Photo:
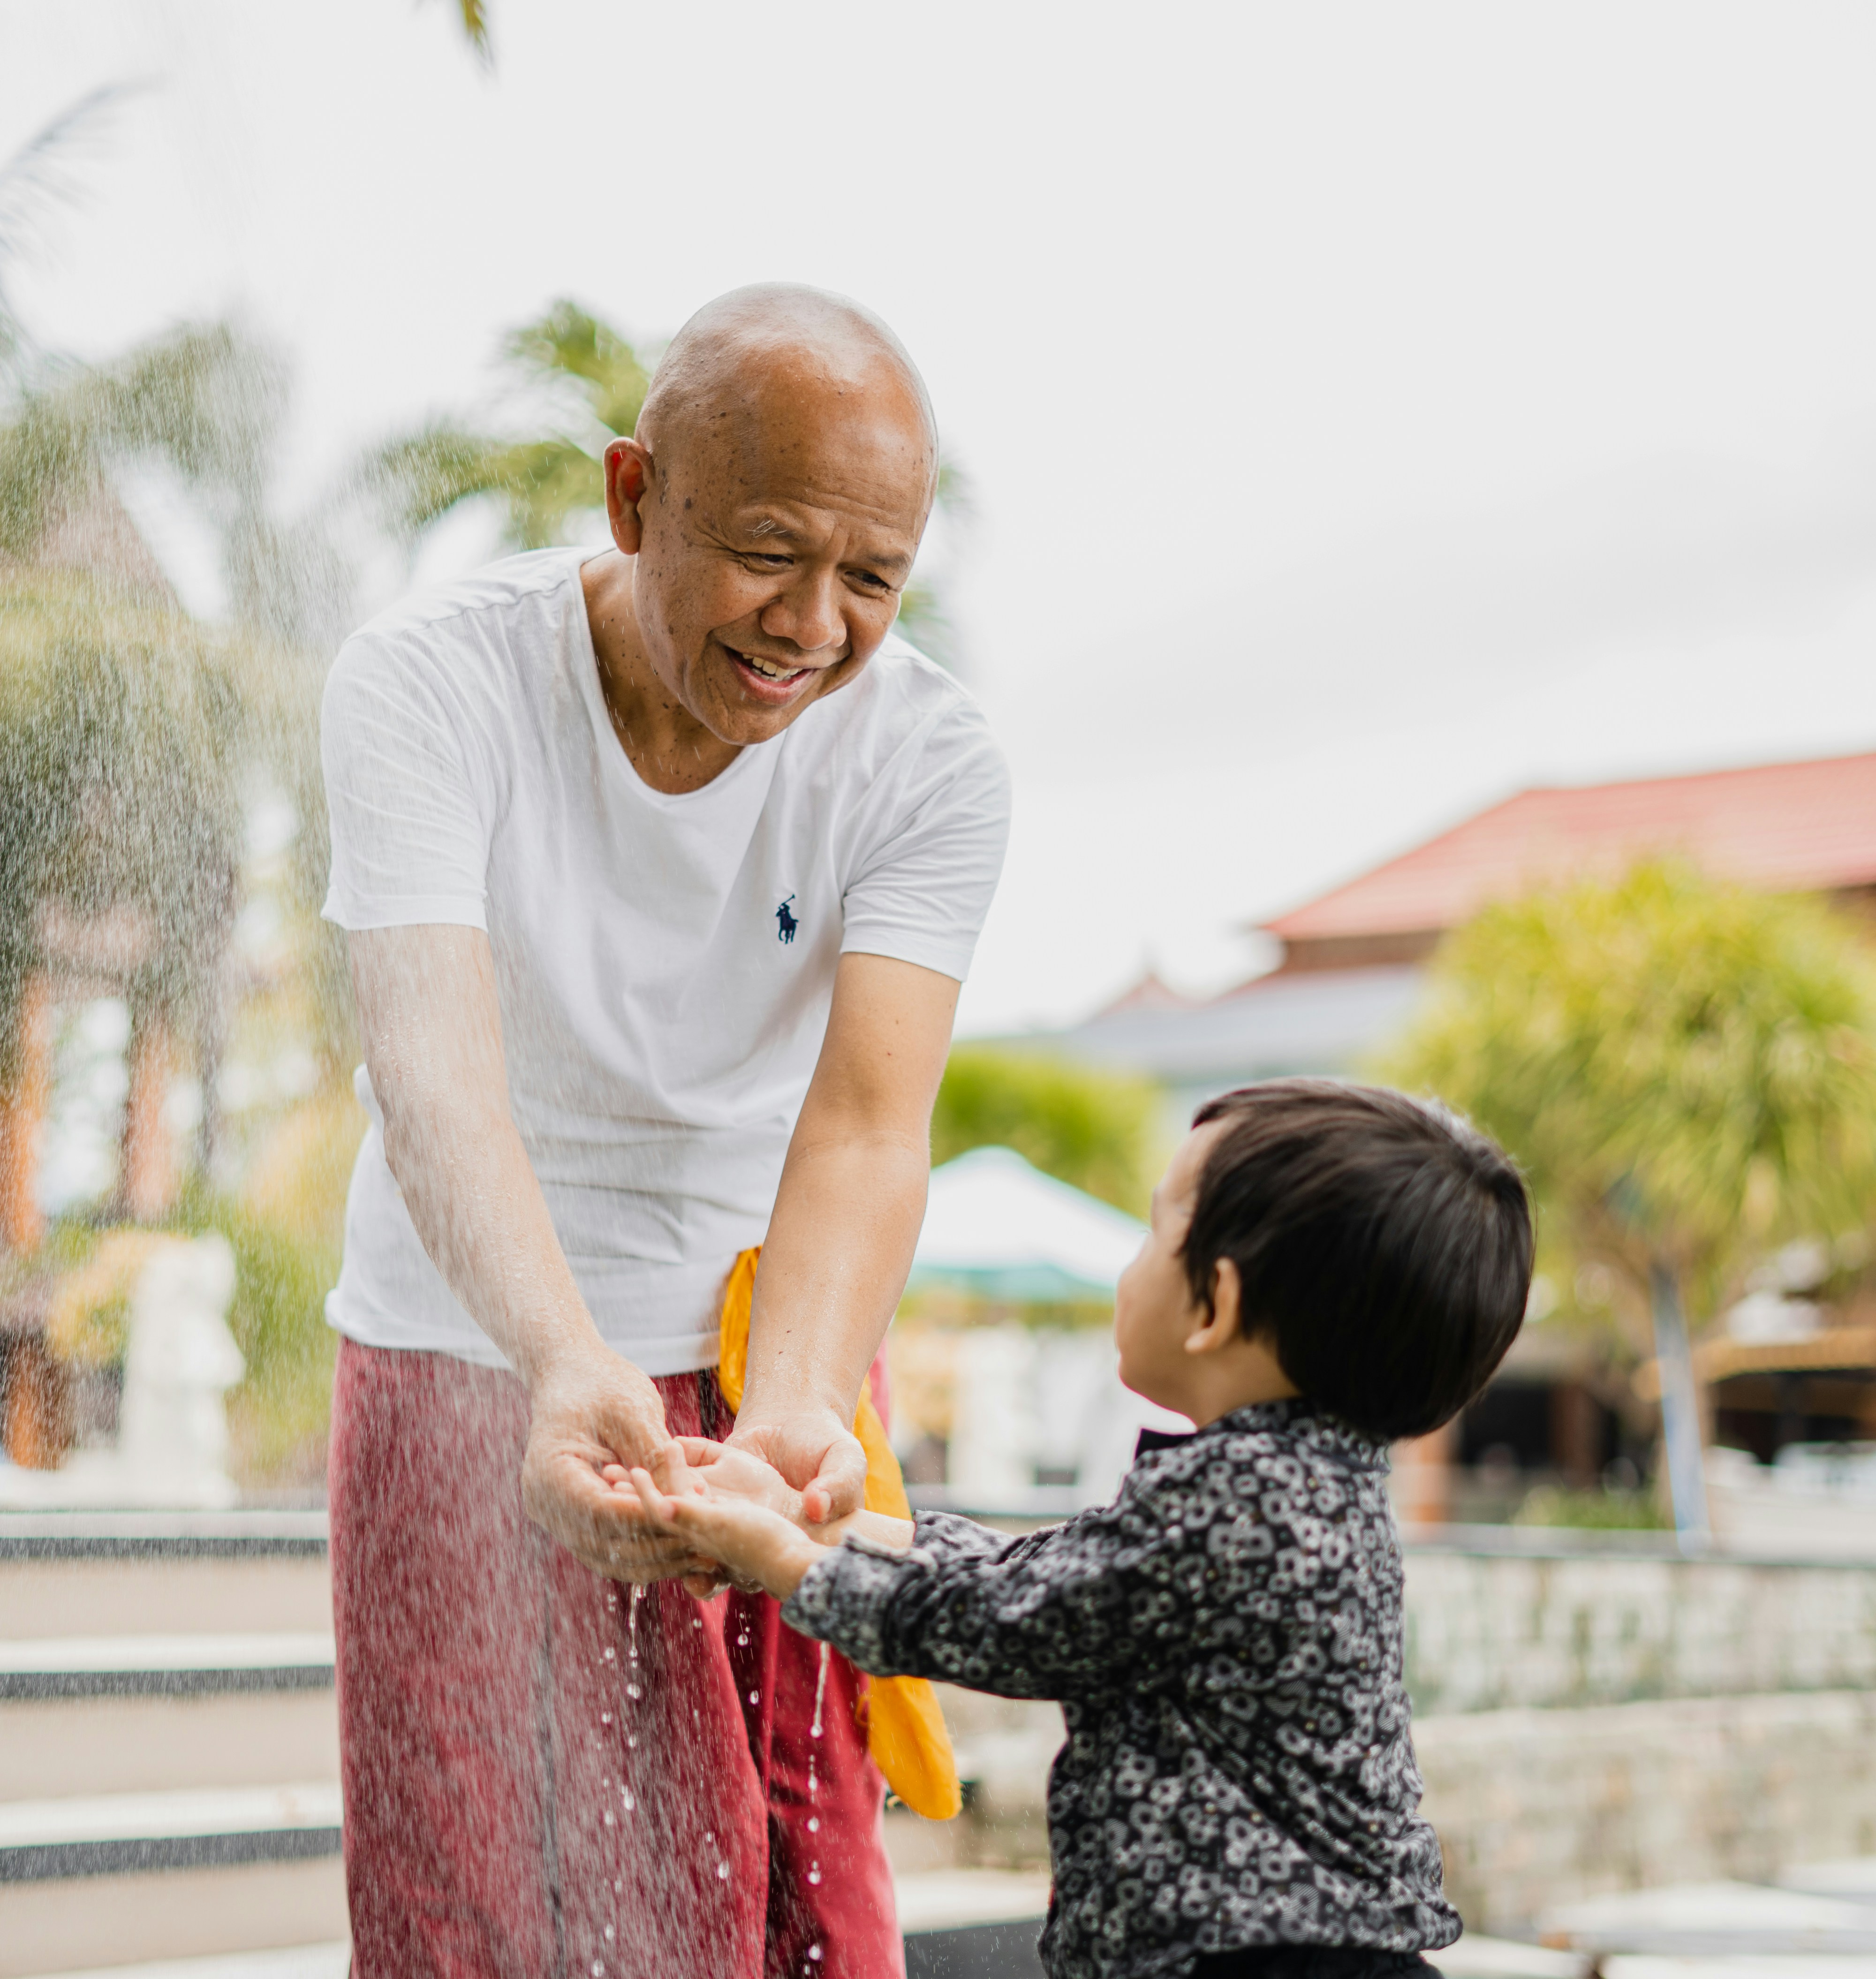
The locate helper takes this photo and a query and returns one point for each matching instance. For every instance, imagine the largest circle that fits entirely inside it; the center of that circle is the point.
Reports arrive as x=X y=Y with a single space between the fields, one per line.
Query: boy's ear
x=1222 y=1322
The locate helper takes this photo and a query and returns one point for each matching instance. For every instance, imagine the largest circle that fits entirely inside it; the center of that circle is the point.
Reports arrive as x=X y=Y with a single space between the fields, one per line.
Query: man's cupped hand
x=589 y=1409
x=815 y=1451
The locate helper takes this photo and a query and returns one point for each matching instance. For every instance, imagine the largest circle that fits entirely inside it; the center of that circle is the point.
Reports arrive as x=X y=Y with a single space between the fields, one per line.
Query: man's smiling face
x=778 y=525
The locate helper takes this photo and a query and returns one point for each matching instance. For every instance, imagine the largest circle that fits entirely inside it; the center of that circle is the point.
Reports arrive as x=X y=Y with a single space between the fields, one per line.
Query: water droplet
x=697 y=1621
x=619 y=1886
x=605 y=1717
x=632 y=1690
x=813 y=1824
x=708 y=1836
x=820 y=1692
x=610 y=1657
x=755 y=1697
x=608 y=1933
x=610 y=1821
x=813 y=1875
x=722 y=1870
x=630 y=1803
x=632 y=1744
x=598 y=1967
x=813 y=1952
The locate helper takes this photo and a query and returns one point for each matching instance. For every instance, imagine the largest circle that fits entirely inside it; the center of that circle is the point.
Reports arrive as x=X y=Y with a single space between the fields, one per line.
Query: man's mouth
x=770 y=674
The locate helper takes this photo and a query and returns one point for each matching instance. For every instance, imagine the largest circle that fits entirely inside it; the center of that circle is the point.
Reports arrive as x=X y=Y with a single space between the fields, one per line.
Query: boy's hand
x=695 y=1465
x=756 y=1542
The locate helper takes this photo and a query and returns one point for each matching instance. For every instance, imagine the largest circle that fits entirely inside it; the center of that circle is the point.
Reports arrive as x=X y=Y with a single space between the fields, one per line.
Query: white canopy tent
x=999 y=1228
x=1030 y=1404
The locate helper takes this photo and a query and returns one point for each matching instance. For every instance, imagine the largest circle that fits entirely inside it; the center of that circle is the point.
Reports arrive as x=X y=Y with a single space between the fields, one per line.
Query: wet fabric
x=500 y=1822
x=1226 y=1640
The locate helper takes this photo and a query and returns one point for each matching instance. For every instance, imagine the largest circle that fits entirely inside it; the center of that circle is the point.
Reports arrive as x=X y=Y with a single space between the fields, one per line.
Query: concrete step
x=94 y=1715
x=118 y=1665
x=115 y=1921
x=973 y=1924
x=1712 y=1919
x=959 y=1925
x=69 y=1574
x=44 y=1841
x=298 y=1962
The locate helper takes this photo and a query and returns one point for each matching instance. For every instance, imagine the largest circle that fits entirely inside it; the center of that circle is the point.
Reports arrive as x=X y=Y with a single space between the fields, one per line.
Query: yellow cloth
x=905 y=1728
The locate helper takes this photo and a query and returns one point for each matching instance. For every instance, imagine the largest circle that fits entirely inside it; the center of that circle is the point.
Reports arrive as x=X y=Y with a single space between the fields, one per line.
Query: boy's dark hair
x=1382 y=1243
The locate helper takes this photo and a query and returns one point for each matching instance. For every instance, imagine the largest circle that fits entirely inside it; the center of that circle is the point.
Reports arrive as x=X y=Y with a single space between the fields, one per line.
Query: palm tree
x=1687 y=1071
x=595 y=381
x=125 y=725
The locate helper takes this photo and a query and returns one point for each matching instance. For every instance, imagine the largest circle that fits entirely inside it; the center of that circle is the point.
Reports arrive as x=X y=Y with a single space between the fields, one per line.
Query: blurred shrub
x=88 y=1320
x=1600 y=1510
x=286 y=1227
x=1096 y=1130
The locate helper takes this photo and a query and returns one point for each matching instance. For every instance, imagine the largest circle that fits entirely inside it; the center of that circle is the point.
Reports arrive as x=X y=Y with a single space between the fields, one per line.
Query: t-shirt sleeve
x=927 y=881
x=408 y=792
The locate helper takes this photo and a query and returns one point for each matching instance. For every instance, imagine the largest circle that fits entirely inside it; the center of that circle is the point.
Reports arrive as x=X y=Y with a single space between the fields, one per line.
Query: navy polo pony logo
x=785 y=922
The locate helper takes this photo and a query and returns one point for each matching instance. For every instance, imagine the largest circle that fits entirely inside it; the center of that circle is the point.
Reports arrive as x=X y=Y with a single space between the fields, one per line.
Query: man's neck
x=671 y=750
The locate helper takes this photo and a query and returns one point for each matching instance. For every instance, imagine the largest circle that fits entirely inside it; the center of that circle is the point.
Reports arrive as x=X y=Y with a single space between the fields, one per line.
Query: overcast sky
x=1374 y=408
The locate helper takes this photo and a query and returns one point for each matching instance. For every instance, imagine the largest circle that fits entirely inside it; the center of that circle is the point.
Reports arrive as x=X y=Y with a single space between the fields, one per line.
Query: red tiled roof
x=1785 y=826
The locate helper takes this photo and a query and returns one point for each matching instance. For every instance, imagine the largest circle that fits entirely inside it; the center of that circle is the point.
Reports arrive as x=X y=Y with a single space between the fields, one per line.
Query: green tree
x=596 y=383
x=1687 y=1071
x=1092 y=1129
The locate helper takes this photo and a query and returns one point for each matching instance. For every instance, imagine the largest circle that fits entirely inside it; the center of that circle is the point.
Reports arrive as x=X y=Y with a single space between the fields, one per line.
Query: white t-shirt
x=664 y=964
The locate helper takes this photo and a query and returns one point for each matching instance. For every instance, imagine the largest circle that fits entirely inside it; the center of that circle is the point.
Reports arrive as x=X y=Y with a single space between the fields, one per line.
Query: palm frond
x=569 y=342
x=38 y=178
x=475 y=18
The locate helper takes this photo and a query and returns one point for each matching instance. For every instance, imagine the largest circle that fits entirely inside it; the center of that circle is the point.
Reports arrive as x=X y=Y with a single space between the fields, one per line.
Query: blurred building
x=1350 y=970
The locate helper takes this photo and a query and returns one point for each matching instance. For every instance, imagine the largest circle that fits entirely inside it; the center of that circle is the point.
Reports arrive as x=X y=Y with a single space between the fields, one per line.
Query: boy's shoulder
x=1275 y=1463
x=1292 y=1432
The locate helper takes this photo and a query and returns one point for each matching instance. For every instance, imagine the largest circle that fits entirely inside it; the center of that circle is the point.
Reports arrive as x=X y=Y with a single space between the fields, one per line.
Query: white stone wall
x=1534 y=1808
x=1487 y=1631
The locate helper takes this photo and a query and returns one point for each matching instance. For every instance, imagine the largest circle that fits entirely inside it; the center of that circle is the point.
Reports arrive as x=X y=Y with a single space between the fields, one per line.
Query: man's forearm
x=431 y=1028
x=838 y=1251
x=476 y=1206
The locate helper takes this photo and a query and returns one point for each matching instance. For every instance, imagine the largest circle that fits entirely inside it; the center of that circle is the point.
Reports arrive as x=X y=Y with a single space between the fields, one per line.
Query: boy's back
x=1226 y=1640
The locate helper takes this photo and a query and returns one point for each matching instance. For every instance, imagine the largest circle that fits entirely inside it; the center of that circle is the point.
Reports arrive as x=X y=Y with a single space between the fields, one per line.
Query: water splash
x=813 y=1783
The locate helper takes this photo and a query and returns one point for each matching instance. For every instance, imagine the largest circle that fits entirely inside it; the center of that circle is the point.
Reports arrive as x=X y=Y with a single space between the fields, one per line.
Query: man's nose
x=808 y=613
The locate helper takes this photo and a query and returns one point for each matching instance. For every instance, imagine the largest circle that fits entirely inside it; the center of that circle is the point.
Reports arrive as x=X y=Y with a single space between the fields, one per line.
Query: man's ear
x=1220 y=1324
x=628 y=474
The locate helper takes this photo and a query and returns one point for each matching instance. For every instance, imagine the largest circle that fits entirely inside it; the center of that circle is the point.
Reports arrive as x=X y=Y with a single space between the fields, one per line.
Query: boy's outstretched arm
x=737 y=1521
x=1066 y=1612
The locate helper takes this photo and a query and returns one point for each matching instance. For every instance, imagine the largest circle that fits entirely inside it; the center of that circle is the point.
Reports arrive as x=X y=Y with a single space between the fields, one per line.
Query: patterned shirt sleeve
x=1053 y=1614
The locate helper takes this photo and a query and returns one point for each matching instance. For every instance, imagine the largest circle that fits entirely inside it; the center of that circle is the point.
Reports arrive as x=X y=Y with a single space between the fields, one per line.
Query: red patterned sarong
x=512 y=1810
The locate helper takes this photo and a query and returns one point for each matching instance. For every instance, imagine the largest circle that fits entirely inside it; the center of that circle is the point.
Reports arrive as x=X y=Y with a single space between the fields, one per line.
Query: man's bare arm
x=847 y=1217
x=432 y=1036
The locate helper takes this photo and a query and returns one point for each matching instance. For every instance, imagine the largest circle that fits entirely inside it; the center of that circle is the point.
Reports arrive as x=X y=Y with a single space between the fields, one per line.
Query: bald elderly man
x=660 y=869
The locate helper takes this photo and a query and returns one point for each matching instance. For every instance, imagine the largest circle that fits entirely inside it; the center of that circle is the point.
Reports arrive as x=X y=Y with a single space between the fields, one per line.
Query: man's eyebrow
x=772 y=529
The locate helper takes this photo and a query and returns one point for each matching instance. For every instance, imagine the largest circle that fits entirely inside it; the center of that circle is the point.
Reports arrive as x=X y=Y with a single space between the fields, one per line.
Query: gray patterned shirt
x=1225 y=1638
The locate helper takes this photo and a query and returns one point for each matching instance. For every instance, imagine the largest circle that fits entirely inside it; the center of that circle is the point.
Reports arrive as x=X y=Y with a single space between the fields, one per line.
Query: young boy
x=1329 y=1267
